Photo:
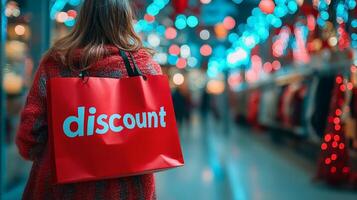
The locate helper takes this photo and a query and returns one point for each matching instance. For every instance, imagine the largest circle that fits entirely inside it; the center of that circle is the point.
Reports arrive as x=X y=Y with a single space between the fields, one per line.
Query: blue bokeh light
x=192 y=21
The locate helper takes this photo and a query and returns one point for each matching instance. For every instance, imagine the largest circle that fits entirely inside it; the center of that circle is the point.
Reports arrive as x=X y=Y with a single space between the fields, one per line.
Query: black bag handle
x=131 y=72
x=136 y=68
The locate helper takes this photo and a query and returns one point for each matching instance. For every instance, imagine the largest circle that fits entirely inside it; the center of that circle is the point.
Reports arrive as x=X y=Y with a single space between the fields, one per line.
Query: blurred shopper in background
x=182 y=103
x=208 y=105
x=103 y=28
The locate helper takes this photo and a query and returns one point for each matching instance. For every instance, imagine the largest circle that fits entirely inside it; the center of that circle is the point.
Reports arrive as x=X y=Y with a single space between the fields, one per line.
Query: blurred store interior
x=265 y=92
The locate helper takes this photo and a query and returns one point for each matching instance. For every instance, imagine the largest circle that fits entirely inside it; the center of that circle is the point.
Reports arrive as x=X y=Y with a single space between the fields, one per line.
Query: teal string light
x=180 y=22
x=70 y=22
x=192 y=21
x=153 y=9
x=354 y=23
x=292 y=6
x=341 y=12
x=57 y=7
x=351 y=4
x=255 y=31
x=156 y=6
x=324 y=15
x=172 y=59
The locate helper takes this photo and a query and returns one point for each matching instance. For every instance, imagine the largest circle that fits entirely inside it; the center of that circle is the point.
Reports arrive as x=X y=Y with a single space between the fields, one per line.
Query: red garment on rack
x=180 y=5
x=32 y=137
x=253 y=108
x=290 y=107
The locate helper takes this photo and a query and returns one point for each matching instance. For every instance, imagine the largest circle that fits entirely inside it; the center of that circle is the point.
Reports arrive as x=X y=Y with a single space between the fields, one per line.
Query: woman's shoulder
x=50 y=58
x=142 y=54
x=50 y=64
x=146 y=63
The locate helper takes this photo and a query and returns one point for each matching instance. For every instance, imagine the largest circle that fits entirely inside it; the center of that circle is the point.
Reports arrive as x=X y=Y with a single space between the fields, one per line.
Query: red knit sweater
x=32 y=136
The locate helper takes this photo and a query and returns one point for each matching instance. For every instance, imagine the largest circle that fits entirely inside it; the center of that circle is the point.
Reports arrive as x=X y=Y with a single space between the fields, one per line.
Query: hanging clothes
x=310 y=109
x=280 y=111
x=297 y=106
x=269 y=106
x=288 y=104
x=253 y=107
x=321 y=104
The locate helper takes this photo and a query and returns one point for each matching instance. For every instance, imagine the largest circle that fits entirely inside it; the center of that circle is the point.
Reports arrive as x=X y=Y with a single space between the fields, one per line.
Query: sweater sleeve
x=32 y=133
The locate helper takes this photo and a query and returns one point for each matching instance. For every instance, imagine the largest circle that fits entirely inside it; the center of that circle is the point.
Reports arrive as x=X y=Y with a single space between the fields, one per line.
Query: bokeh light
x=206 y=50
x=178 y=79
x=205 y=34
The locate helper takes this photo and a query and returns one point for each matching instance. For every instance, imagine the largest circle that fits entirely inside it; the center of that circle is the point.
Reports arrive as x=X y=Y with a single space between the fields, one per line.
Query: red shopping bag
x=108 y=128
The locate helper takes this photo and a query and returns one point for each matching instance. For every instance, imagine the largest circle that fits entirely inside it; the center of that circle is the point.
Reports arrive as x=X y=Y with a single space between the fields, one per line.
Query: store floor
x=241 y=165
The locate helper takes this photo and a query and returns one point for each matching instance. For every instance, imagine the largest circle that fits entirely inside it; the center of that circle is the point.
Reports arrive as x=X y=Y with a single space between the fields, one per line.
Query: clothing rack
x=304 y=141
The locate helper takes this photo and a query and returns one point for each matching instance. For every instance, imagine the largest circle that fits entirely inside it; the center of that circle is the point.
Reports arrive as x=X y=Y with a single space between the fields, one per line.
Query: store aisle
x=240 y=165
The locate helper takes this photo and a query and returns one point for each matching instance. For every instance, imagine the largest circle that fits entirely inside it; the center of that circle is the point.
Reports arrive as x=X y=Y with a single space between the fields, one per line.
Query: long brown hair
x=100 y=23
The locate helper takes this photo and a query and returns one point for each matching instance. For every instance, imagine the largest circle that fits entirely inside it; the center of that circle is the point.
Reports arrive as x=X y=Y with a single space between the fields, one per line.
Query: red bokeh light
x=311 y=22
x=337 y=127
x=336 y=120
x=174 y=49
x=328 y=137
x=341 y=146
x=338 y=112
x=336 y=138
x=149 y=18
x=268 y=67
x=339 y=79
x=345 y=170
x=72 y=13
x=206 y=50
x=267 y=6
x=276 y=65
x=229 y=23
x=181 y=63
x=323 y=146
x=170 y=33
x=343 y=88
x=334 y=144
x=327 y=161
x=334 y=157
